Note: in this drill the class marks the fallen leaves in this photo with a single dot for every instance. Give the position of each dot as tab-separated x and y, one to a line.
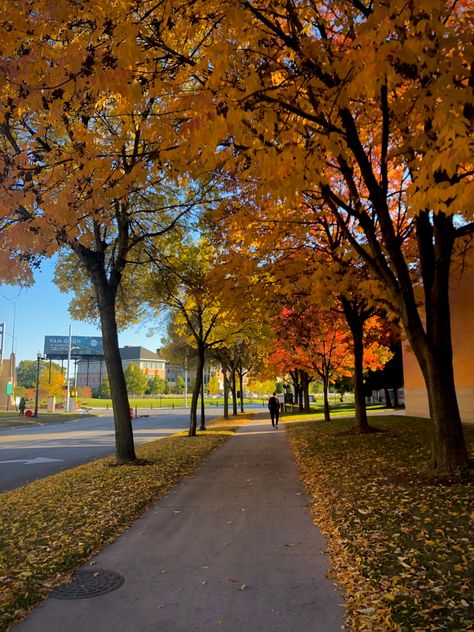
400	544
52	525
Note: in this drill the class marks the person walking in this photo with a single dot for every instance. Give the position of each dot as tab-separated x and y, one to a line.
21	407
274	408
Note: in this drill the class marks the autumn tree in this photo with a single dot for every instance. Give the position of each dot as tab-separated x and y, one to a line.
104	389
248	357
317	342
360	297
213	385
221	355
157	386
179	384
182	282
88	125
153	386
366	107
53	384
303	258
26	371
135	380
229	359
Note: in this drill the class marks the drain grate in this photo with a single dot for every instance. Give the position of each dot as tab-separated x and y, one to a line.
87	584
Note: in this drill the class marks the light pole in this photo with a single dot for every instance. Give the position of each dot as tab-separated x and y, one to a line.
186	379
12	355
68	385
39	357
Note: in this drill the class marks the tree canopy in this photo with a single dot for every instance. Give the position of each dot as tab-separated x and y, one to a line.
116	118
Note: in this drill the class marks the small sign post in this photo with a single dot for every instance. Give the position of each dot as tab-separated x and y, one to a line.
8	391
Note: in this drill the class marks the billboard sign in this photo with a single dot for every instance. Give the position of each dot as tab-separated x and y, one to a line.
81	346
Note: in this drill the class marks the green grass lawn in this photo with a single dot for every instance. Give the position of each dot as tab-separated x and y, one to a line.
51	526
157	402
167	401
8	419
400	543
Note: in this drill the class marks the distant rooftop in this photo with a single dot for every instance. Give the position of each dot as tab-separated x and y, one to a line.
138	353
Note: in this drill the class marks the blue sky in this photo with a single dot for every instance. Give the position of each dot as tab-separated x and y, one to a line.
42	310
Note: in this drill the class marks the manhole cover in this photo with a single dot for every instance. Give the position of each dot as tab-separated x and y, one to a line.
87	584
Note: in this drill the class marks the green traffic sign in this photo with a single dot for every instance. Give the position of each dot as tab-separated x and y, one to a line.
9	388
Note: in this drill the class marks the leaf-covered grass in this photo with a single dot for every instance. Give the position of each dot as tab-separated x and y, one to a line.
49	527
400	543
337	409
242	419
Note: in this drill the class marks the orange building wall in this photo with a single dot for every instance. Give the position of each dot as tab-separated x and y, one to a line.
7	370
462	325
160	373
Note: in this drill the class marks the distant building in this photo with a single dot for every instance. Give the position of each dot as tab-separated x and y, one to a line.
147	361
175	370
91	372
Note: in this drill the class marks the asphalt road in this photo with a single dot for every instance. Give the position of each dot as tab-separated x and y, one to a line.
27	454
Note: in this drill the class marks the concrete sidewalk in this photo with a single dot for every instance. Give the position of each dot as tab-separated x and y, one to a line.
233	547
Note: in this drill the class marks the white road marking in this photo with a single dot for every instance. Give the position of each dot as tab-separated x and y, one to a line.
39	459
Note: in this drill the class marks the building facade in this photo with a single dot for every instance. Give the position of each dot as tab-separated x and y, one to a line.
462	332
91	371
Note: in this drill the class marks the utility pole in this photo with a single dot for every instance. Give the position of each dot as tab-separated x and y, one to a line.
186	379
38	360
68	387
2	345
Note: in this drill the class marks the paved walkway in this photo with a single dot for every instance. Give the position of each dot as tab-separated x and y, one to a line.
231	548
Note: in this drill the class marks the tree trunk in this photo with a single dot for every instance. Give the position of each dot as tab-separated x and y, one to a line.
327	414
196	393
388	400
449	448
396	403
226	393
294	379
234	392
355	319
124	445
241	387
203	407
300	393
305	389
433	347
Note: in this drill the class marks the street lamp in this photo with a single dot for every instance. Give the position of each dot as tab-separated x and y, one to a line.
186	379
39	357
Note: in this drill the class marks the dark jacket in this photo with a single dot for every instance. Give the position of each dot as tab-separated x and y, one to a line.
274	403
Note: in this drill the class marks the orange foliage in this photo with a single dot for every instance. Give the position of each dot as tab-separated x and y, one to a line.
317	341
